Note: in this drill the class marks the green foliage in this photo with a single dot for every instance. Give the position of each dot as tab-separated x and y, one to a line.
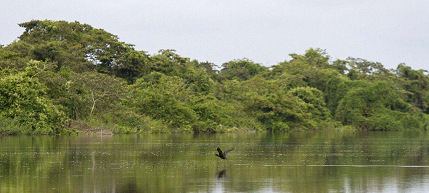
164	97
377	106
279	109
101	91
316	57
311	69
12	126
133	64
243	69
60	72
314	98
336	88
23	99
128	121
416	83
82	48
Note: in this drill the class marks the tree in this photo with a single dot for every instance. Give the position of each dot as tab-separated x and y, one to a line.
364	69
280	108
316	57
134	64
417	85
100	88
311	69
164	97
82	47
210	69
23	98
336	88
243	69
377	106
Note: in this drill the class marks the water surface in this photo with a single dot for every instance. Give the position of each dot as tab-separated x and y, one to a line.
287	162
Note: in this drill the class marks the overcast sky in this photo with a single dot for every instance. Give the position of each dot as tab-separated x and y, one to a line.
386	31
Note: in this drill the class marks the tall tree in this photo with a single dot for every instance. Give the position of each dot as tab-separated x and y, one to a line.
243	69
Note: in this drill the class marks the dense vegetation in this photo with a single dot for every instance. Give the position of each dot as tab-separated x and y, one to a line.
60	77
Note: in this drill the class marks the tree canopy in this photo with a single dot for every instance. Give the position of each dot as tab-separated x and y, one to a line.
61	77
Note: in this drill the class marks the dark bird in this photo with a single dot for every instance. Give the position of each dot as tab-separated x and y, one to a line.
221	154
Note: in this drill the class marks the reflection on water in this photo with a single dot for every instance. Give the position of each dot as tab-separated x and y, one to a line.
289	162
221	174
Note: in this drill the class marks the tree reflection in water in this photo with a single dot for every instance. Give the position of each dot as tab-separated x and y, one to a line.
281	162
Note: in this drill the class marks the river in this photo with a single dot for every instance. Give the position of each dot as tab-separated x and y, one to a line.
260	162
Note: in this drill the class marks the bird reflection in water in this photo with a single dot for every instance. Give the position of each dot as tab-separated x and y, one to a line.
221	174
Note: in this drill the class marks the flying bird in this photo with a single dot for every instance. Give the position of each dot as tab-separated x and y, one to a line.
221	154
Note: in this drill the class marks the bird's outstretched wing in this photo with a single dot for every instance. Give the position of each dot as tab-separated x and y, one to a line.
220	151
228	151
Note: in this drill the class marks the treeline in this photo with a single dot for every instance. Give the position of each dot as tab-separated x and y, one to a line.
62	77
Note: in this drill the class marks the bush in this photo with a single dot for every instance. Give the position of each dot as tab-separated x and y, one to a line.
23	99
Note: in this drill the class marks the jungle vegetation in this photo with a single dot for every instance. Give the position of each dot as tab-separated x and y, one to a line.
62	77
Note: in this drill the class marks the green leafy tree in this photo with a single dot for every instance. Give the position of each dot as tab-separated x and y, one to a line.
210	69
243	69
311	69
83	48
336	88
164	97
59	71
376	106
133	64
23	98
363	69
101	89
416	83
316	57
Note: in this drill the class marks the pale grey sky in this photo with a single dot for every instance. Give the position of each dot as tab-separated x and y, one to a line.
386	31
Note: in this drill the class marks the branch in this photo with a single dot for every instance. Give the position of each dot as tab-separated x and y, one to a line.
43	69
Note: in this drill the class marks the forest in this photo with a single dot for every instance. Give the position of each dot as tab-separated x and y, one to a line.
64	77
